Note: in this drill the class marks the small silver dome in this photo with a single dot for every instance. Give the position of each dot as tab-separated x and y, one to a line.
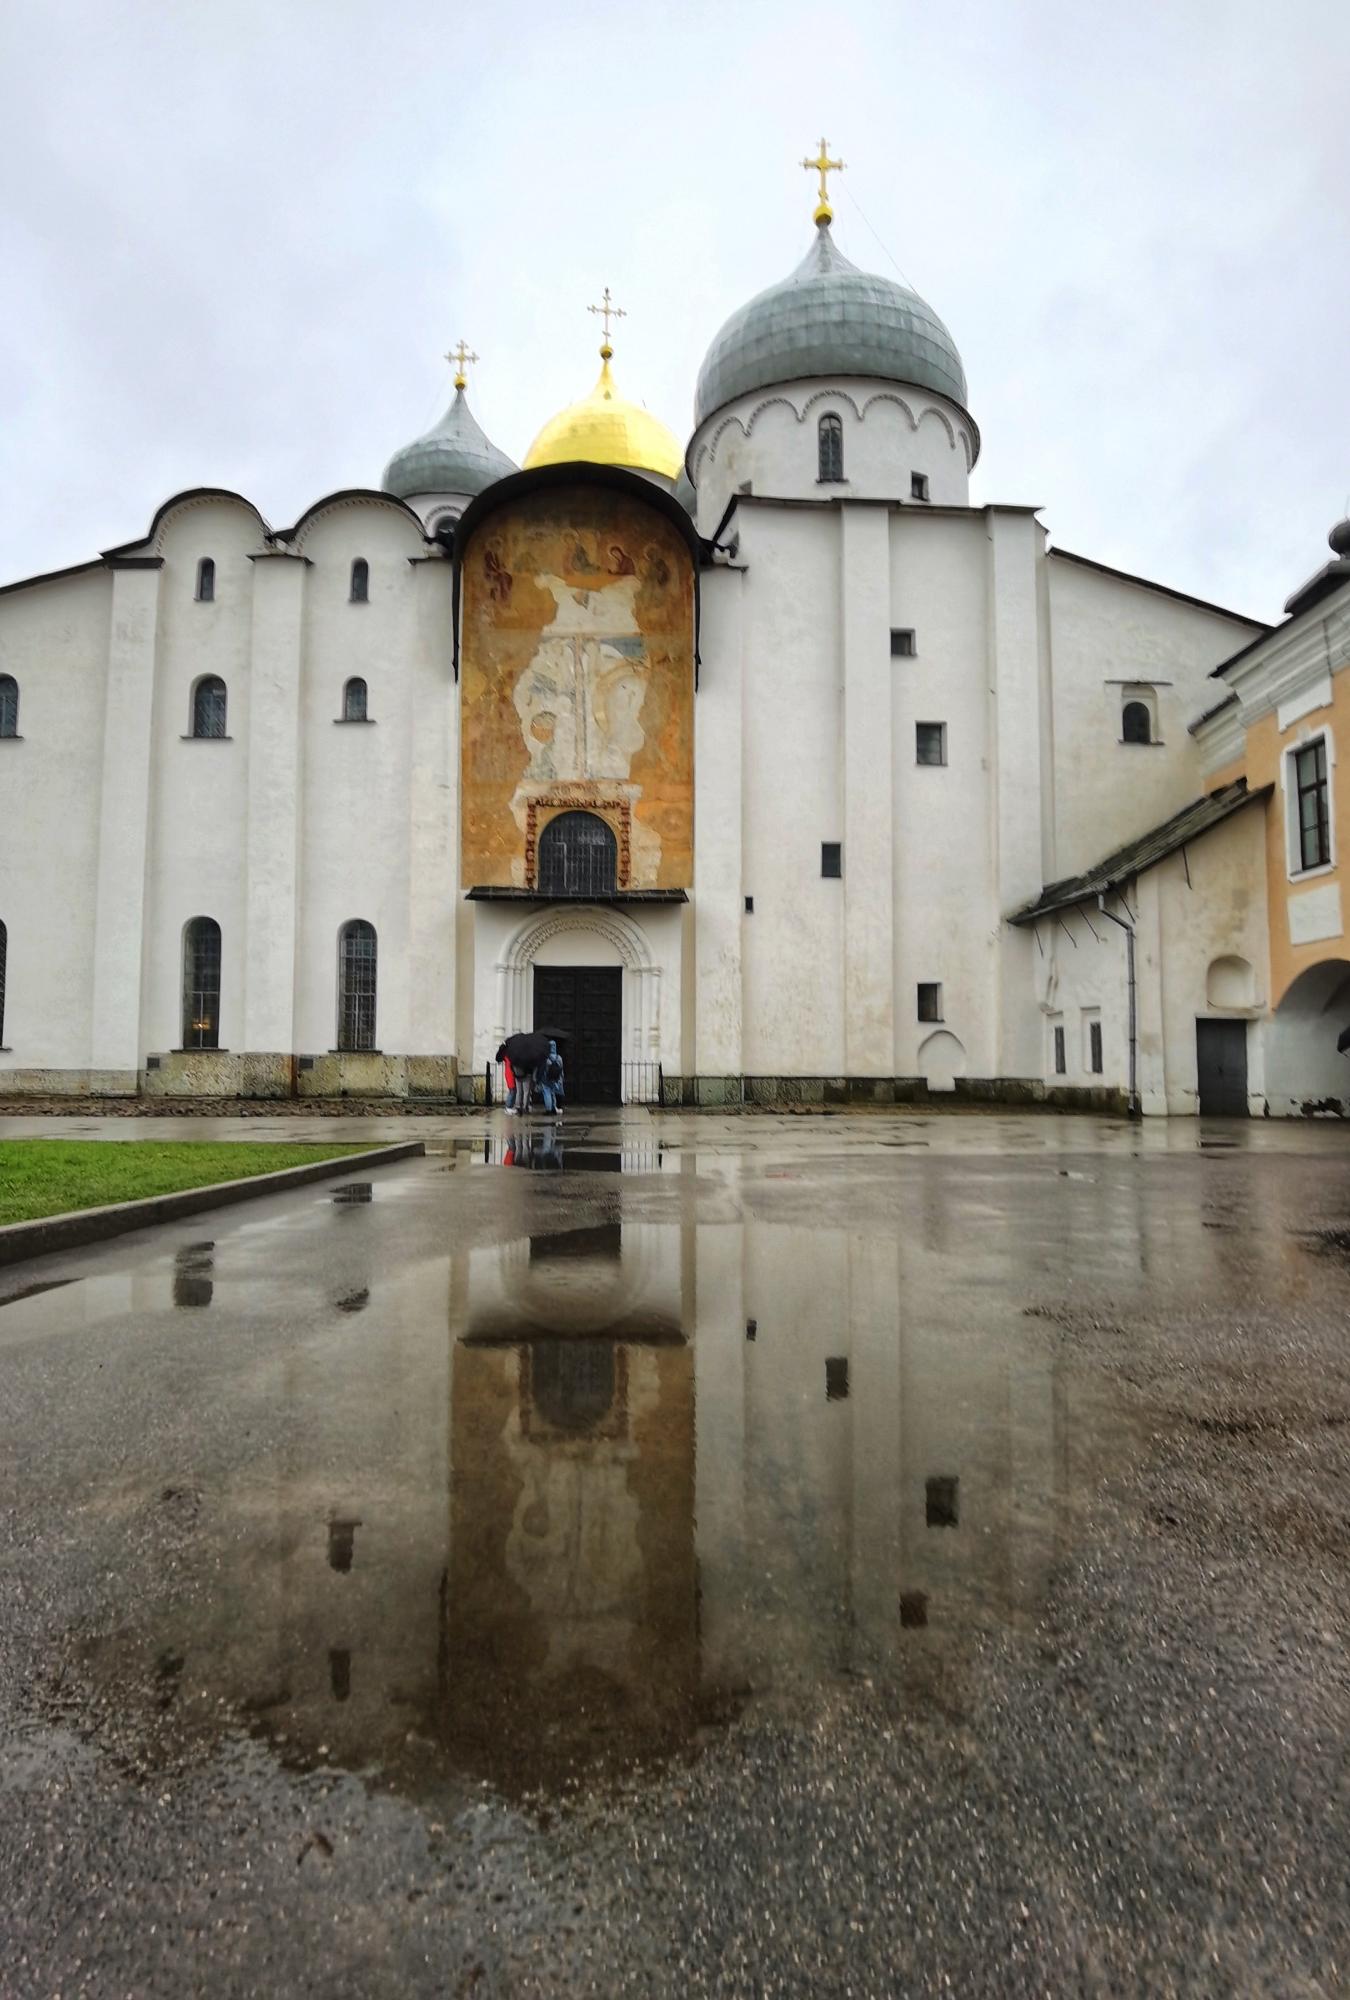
453	457
829	318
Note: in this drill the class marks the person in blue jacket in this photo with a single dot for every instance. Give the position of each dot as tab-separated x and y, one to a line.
548	1081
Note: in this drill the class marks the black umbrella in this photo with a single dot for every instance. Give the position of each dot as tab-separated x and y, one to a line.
1343	1042
527	1051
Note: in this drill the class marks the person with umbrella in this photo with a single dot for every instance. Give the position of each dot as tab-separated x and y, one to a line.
527	1053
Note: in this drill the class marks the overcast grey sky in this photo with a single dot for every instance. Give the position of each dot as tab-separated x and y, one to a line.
237	238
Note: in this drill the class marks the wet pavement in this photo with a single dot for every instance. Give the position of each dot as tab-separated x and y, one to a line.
860	1555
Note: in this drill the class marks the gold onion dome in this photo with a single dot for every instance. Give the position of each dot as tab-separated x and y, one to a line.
604	428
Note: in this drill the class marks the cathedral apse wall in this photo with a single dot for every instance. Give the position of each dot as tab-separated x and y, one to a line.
577	685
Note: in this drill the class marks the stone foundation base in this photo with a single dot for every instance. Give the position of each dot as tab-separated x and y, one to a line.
263	1076
69	1082
820	1092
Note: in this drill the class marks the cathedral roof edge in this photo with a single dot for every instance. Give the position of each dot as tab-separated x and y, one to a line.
1258	625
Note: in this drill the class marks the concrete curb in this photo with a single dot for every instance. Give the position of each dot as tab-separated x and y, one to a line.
94	1225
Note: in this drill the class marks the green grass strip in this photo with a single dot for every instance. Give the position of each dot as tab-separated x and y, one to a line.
53	1176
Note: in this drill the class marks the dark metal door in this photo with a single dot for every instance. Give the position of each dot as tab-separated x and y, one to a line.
586	1000
1221	1056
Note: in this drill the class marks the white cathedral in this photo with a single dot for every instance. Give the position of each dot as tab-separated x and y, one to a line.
748	763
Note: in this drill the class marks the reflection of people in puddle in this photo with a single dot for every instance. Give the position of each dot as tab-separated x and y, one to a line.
533	1149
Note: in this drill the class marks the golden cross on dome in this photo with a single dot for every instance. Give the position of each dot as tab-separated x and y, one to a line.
461	356
607	312
824	166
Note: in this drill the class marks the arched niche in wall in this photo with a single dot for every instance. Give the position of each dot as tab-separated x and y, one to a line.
1230	982
942	1058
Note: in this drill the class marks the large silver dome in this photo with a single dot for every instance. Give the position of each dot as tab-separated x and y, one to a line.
829	318
453	457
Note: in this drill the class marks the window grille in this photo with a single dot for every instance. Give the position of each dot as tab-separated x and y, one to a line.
9	705
1136	724
1314	820
902	643
4	960
830	445
360	581
930	1001
356	985
930	742
1095	1047
918	485
354	701
578	856
836	1378
208	707
831	859
206	581
1061	1058
201	984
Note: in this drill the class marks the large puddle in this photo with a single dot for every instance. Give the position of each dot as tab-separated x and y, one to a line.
555	1507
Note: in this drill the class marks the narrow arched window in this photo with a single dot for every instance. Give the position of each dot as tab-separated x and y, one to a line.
9	705
354	702
206	581
4	959
356	985
830	439
578	856
1136	725
208	706
201	983
360	581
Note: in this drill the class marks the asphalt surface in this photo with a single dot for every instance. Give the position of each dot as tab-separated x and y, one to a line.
864	1555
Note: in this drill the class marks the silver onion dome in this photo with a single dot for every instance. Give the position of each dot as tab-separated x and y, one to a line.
454	456
829	318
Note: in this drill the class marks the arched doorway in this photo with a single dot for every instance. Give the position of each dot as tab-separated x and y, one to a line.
1306	1076
590	971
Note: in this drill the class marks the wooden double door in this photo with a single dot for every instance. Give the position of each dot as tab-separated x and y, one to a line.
586	1002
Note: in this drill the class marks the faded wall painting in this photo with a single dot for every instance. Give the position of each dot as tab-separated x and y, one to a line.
577	686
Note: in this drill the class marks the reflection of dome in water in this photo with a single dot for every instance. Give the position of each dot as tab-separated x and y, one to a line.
576	1281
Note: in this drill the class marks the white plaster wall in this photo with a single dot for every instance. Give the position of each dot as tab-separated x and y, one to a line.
945	914
1105	630
355	778
1078	959
198	788
1220	912
54	641
713	978
792	792
890	431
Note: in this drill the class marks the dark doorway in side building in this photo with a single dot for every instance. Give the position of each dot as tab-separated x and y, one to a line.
1221	1058
586	1001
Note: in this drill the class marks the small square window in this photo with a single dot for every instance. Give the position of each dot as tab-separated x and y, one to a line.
836	1378
831	859
1061	1060
749	906
902	642
1095	1047
918	485
930	742
940	1502
930	1001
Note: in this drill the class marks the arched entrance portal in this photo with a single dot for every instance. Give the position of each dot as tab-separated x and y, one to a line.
588	970
1305	1074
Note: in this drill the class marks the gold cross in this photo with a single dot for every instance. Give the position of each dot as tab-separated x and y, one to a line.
461	357
607	312
824	166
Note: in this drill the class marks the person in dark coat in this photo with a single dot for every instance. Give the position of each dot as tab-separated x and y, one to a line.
549	1081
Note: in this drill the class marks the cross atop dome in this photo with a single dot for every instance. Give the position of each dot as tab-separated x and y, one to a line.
824	166
461	357
607	312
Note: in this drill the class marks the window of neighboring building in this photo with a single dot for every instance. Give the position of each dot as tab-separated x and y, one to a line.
918	485
941	1502
831	859
830	448
930	742
1061	1056
902	642
930	1000
1093	1050
206	581
4	960
208	706
354	701
836	1378
1313	805
578	856
9	705
1136	724
356	985
360	581
201	984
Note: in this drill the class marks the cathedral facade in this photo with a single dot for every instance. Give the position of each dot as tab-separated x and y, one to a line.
767	769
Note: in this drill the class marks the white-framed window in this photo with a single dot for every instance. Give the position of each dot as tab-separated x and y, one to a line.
1139	713
1307	773
1059	1052
930	1000
930	742
1092	1040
